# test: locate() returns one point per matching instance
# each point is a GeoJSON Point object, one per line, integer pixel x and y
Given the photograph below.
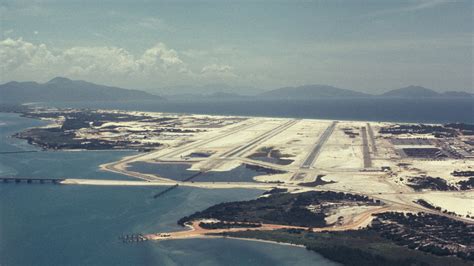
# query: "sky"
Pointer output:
{"type": "Point", "coordinates": [371, 45]}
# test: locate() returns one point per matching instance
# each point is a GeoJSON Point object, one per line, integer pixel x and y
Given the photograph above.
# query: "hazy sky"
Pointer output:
{"type": "Point", "coordinates": [364, 45]}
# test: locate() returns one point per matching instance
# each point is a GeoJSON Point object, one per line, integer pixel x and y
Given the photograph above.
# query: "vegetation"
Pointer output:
{"type": "Point", "coordinates": [56, 138]}
{"type": "Point", "coordinates": [431, 233]}
{"type": "Point", "coordinates": [466, 184]}
{"type": "Point", "coordinates": [271, 155]}
{"type": "Point", "coordinates": [279, 208]}
{"type": "Point", "coordinates": [64, 136]}
{"type": "Point", "coordinates": [426, 204]}
{"type": "Point", "coordinates": [466, 129]}
{"type": "Point", "coordinates": [427, 182]}
{"type": "Point", "coordinates": [437, 131]}
{"type": "Point", "coordinates": [462, 173]}
{"type": "Point", "coordinates": [318, 182]}
{"type": "Point", "coordinates": [264, 169]}
{"type": "Point", "coordinates": [222, 225]}
{"type": "Point", "coordinates": [275, 190]}
{"type": "Point", "coordinates": [436, 183]}
{"type": "Point", "coordinates": [361, 247]}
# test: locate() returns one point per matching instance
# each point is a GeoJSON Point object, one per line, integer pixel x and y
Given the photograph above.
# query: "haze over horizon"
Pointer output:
{"type": "Point", "coordinates": [365, 45]}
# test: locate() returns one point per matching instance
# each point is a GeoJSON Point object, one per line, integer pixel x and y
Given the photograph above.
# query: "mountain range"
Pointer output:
{"type": "Point", "coordinates": [210, 89]}
{"type": "Point", "coordinates": [64, 89]}
{"type": "Point", "coordinates": [421, 92]}
{"type": "Point", "coordinates": [310, 92]}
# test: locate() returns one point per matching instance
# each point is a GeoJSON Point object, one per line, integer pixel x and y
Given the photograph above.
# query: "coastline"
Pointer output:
{"type": "Point", "coordinates": [298, 115]}
{"type": "Point", "coordinates": [265, 241]}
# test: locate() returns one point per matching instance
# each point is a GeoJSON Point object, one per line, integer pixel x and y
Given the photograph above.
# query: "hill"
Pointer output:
{"type": "Point", "coordinates": [457, 94]}
{"type": "Point", "coordinates": [206, 90]}
{"type": "Point", "coordinates": [310, 92]}
{"type": "Point", "coordinates": [64, 89]}
{"type": "Point", "coordinates": [422, 92]}
{"type": "Point", "coordinates": [411, 91]}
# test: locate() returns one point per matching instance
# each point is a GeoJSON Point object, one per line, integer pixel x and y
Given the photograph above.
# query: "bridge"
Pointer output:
{"type": "Point", "coordinates": [30, 180]}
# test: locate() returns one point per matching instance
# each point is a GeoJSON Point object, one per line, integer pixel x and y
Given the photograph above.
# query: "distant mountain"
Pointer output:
{"type": "Point", "coordinates": [411, 92]}
{"type": "Point", "coordinates": [206, 97]}
{"type": "Point", "coordinates": [310, 92]}
{"type": "Point", "coordinates": [227, 95]}
{"type": "Point", "coordinates": [207, 90]}
{"type": "Point", "coordinates": [422, 92]}
{"type": "Point", "coordinates": [457, 94]}
{"type": "Point", "coordinates": [64, 89]}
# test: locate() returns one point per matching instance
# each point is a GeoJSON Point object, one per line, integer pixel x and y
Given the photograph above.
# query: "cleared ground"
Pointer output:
{"type": "Point", "coordinates": [345, 156]}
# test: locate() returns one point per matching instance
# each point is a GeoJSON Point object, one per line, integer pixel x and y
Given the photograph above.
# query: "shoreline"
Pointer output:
{"type": "Point", "coordinates": [255, 116]}
{"type": "Point", "coordinates": [276, 116]}
{"type": "Point", "coordinates": [236, 238]}
{"type": "Point", "coordinates": [204, 185]}
{"type": "Point", "coordinates": [264, 241]}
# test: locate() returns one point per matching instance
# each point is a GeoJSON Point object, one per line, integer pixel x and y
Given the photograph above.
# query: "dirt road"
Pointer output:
{"type": "Point", "coordinates": [196, 231]}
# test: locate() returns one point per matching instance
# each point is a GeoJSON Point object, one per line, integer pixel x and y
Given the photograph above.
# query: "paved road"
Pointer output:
{"type": "Point", "coordinates": [372, 138]}
{"type": "Point", "coordinates": [365, 148]}
{"type": "Point", "coordinates": [120, 166]}
{"type": "Point", "coordinates": [239, 151]}
{"type": "Point", "coordinates": [317, 147]}
{"type": "Point", "coordinates": [193, 145]}
{"type": "Point", "coordinates": [196, 231]}
{"type": "Point", "coordinates": [267, 135]}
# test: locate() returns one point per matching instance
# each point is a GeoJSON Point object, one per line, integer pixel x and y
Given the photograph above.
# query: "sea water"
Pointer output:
{"type": "Point", "coordinates": [46, 224]}
{"type": "Point", "coordinates": [417, 110]}
{"type": "Point", "coordinates": [180, 172]}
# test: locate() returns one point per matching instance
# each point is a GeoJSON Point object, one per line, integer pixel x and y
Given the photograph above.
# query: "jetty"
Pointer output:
{"type": "Point", "coordinates": [132, 238]}
{"type": "Point", "coordinates": [30, 180]}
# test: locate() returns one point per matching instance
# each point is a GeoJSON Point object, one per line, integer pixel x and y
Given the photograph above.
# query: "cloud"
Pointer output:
{"type": "Point", "coordinates": [84, 61]}
{"type": "Point", "coordinates": [153, 24]}
{"type": "Point", "coordinates": [8, 32]}
{"type": "Point", "coordinates": [22, 56]}
{"type": "Point", "coordinates": [19, 55]}
{"type": "Point", "coordinates": [161, 55]}
{"type": "Point", "coordinates": [215, 68]}
{"type": "Point", "coordinates": [416, 5]}
{"type": "Point", "coordinates": [424, 4]}
{"type": "Point", "coordinates": [132, 24]}
{"type": "Point", "coordinates": [218, 72]}
{"type": "Point", "coordinates": [23, 60]}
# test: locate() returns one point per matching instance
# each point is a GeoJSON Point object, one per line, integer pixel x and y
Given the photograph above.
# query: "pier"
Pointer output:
{"type": "Point", "coordinates": [29, 180]}
{"type": "Point", "coordinates": [133, 238]}
{"type": "Point", "coordinates": [165, 191]}
{"type": "Point", "coordinates": [159, 194]}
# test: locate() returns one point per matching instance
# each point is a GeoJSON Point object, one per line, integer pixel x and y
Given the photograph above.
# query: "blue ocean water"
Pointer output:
{"type": "Point", "coordinates": [52, 164]}
{"type": "Point", "coordinates": [179, 172]}
{"type": "Point", "coordinates": [46, 224]}
{"type": "Point", "coordinates": [425, 110]}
